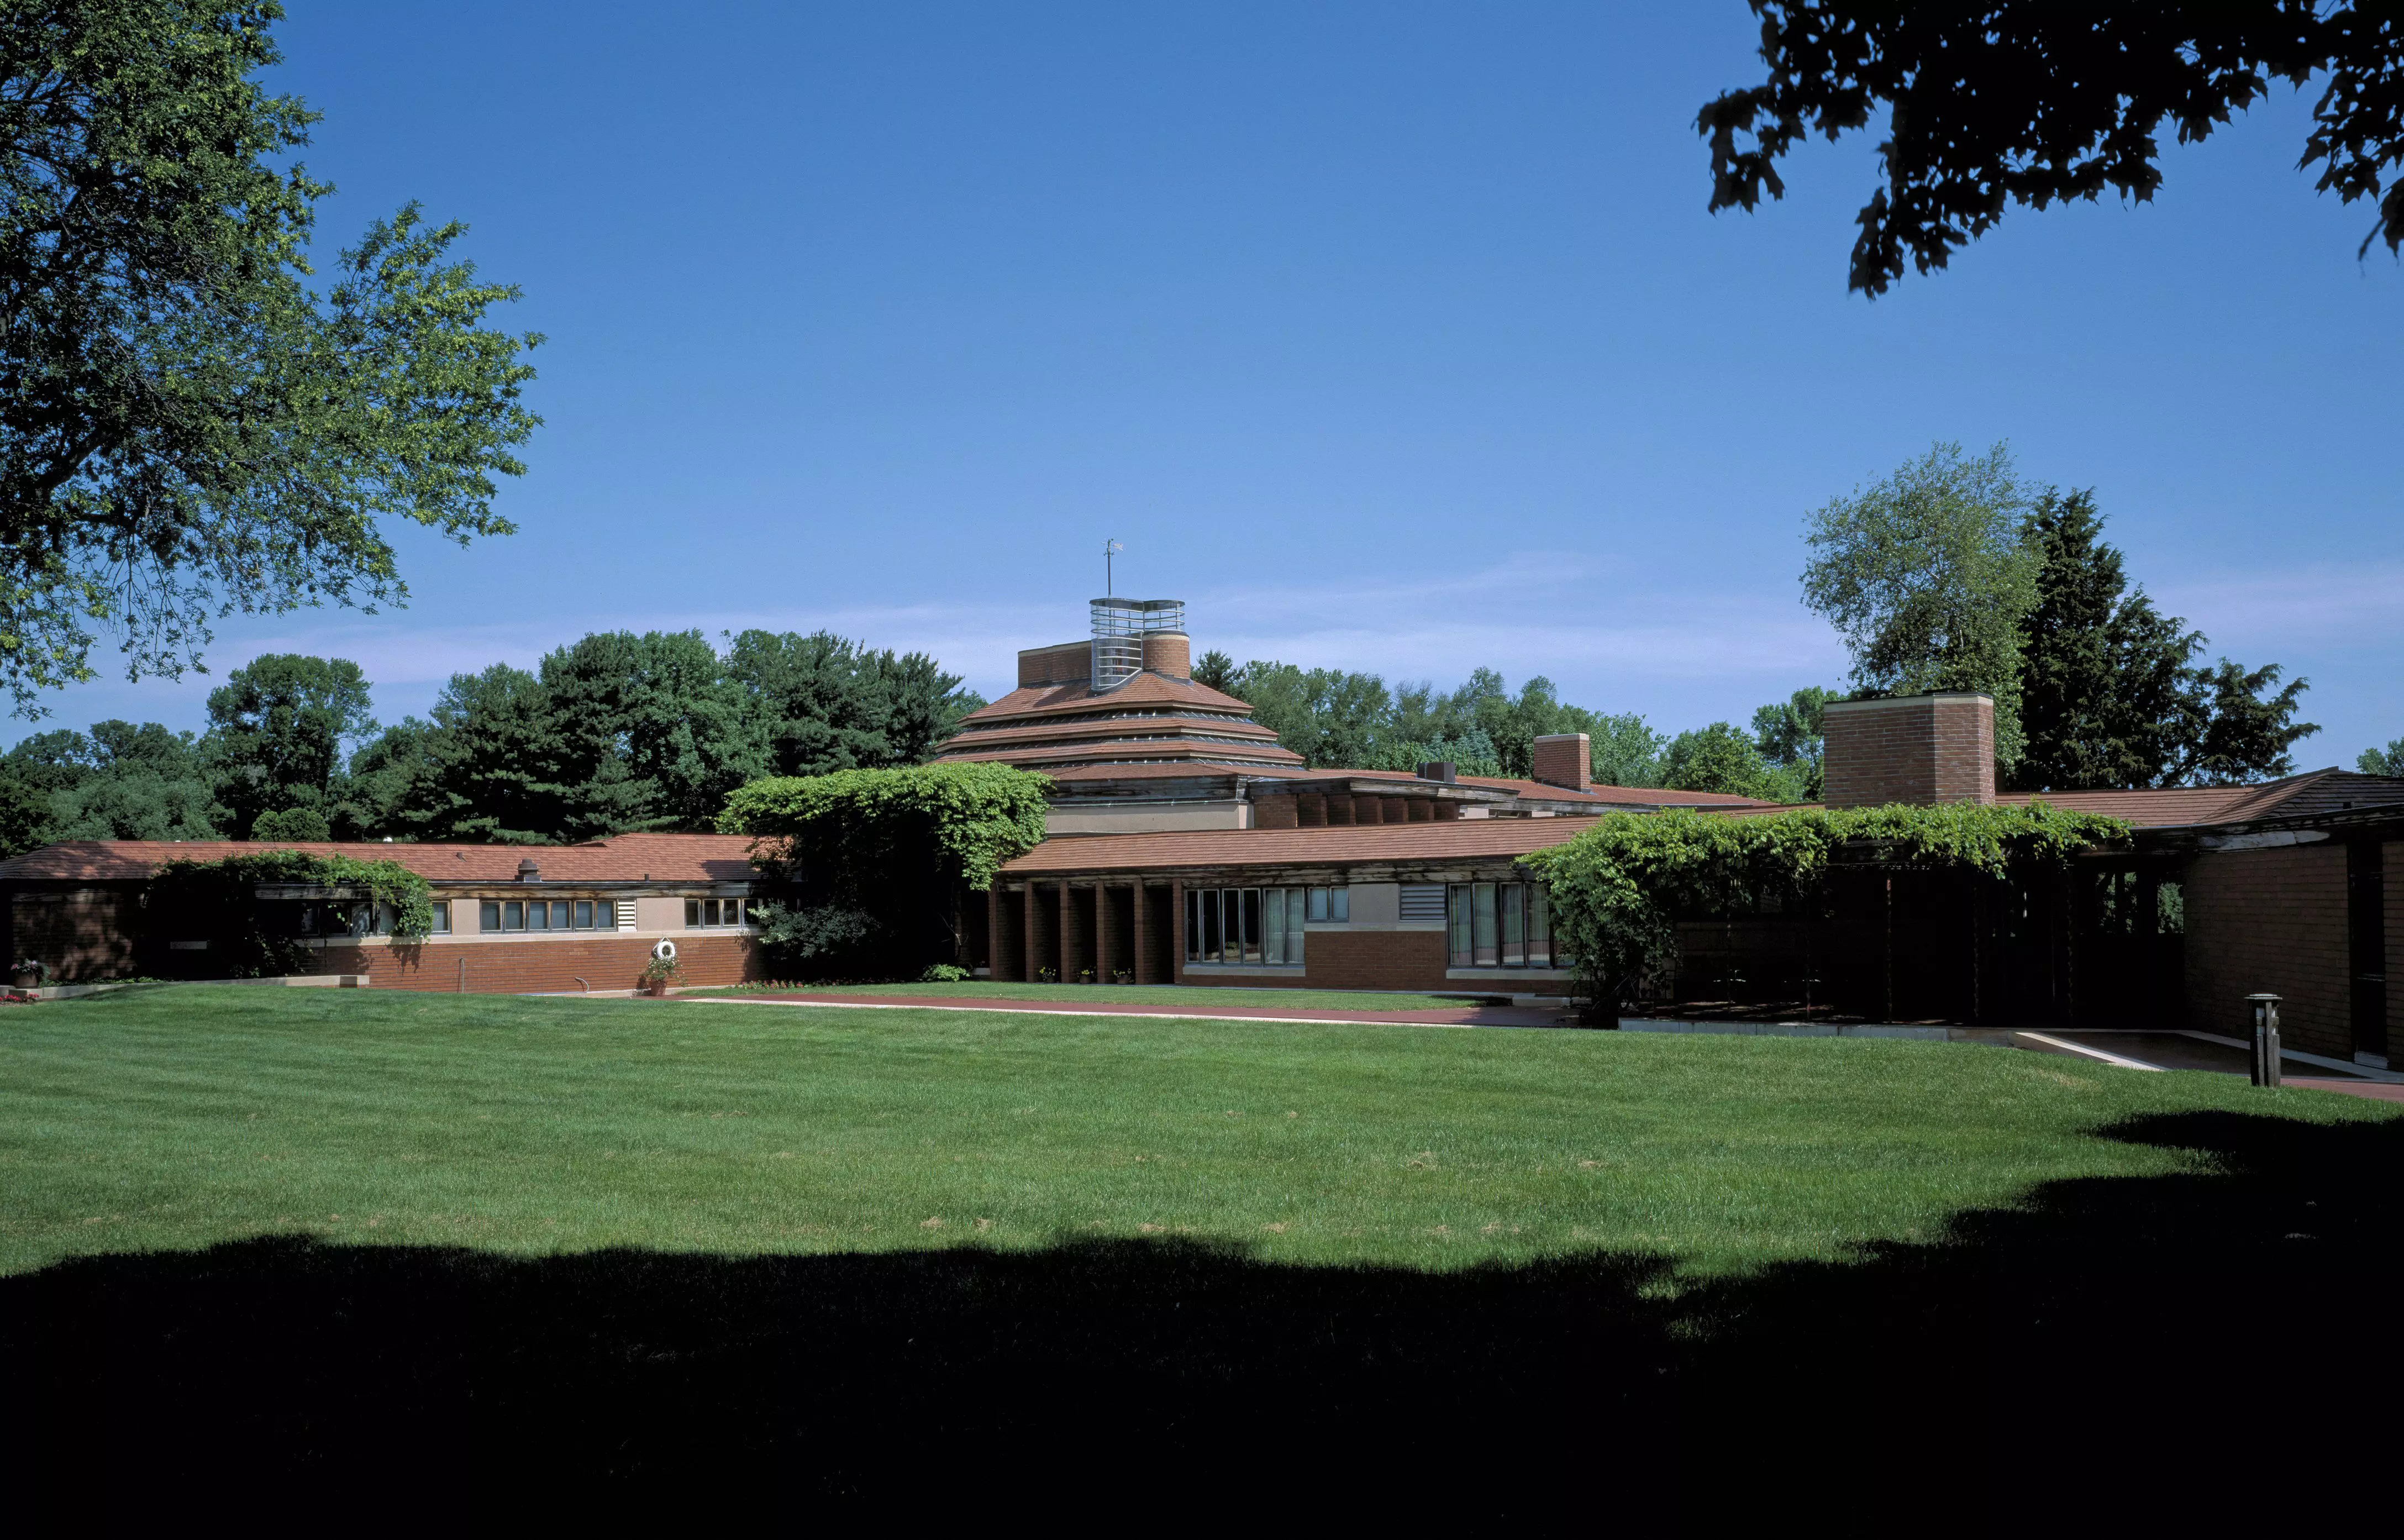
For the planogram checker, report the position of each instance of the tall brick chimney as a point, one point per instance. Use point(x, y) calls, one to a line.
point(1912, 748)
point(1564, 759)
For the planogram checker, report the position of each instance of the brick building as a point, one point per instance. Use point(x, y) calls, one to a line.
point(507, 918)
point(1188, 845)
point(1186, 849)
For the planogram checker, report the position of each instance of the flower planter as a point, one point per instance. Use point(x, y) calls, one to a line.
point(28, 979)
point(656, 987)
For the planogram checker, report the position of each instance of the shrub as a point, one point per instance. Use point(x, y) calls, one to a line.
point(944, 972)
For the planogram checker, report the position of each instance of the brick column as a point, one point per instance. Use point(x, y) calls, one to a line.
point(1142, 928)
point(1035, 947)
point(996, 903)
point(1176, 932)
point(1070, 958)
point(1102, 957)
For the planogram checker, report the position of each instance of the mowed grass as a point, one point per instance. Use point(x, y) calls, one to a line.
point(1179, 996)
point(177, 1118)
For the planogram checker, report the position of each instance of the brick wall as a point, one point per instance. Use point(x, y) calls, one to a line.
point(1914, 749)
point(604, 960)
point(1063, 662)
point(1281, 812)
point(1564, 759)
point(83, 935)
point(2270, 921)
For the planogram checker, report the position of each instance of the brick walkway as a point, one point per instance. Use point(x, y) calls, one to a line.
point(1466, 1015)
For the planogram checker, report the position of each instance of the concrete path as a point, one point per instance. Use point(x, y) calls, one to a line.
point(1465, 1016)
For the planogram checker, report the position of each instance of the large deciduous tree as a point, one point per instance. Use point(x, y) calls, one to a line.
point(1926, 578)
point(1990, 102)
point(281, 729)
point(188, 428)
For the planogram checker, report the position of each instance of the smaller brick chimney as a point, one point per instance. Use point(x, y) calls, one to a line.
point(1922, 749)
point(1564, 759)
point(1168, 653)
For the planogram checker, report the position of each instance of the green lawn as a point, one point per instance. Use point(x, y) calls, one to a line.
point(181, 1116)
point(1207, 997)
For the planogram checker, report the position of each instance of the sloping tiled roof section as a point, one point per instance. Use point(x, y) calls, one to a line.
point(1255, 757)
point(1537, 791)
point(1103, 729)
point(623, 857)
point(1467, 840)
point(1145, 689)
point(2329, 790)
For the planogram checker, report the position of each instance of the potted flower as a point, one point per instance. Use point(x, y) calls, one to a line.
point(31, 973)
point(659, 973)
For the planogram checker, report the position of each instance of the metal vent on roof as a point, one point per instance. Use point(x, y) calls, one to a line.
point(1120, 626)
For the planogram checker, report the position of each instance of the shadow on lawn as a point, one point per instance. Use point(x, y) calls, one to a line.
point(2107, 1346)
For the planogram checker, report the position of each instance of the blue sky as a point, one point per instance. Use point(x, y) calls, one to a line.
point(1388, 336)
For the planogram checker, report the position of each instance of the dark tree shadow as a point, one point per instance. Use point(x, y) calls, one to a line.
point(2123, 1352)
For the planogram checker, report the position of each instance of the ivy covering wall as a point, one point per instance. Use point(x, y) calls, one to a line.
point(217, 902)
point(1619, 890)
point(875, 860)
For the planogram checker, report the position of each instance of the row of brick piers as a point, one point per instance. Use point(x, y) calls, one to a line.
point(1108, 927)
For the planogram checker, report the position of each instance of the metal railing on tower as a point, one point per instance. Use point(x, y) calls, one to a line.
point(1120, 626)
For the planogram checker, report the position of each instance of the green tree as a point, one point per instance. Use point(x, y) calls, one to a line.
point(1925, 576)
point(1215, 670)
point(2109, 697)
point(1626, 751)
point(485, 768)
point(1719, 758)
point(292, 823)
point(650, 732)
point(24, 815)
point(1330, 717)
point(2382, 761)
point(123, 781)
point(825, 704)
point(1790, 735)
point(281, 729)
point(2234, 732)
point(187, 424)
point(2031, 101)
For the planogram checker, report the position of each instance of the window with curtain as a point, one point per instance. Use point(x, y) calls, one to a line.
point(1249, 925)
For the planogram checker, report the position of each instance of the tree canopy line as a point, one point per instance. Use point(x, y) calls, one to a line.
point(617, 731)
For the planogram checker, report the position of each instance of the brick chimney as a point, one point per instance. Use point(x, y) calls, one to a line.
point(1168, 653)
point(1563, 758)
point(1910, 748)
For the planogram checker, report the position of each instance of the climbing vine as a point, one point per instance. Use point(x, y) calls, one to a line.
point(219, 901)
point(1618, 890)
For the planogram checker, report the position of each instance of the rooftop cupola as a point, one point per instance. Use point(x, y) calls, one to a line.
point(1133, 635)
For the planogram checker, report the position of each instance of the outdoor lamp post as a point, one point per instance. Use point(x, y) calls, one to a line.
point(2266, 1038)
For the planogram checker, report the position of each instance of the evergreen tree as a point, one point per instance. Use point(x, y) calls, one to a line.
point(2109, 695)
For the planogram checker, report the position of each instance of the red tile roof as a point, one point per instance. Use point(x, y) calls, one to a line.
point(1465, 840)
point(1146, 689)
point(2314, 791)
point(621, 858)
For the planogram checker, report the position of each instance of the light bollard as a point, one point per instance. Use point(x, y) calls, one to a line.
point(2266, 1038)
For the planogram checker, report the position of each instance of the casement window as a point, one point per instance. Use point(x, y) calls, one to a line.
point(1241, 925)
point(704, 913)
point(1329, 906)
point(1497, 925)
point(442, 926)
point(539, 914)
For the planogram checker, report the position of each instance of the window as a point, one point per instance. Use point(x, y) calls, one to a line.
point(489, 916)
point(584, 914)
point(538, 916)
point(1248, 925)
point(1329, 906)
point(512, 915)
point(442, 926)
point(700, 912)
point(1497, 925)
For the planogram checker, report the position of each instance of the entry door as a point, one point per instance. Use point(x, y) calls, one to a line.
point(2366, 925)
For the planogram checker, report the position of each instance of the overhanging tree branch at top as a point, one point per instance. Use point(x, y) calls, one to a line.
point(186, 427)
point(2031, 101)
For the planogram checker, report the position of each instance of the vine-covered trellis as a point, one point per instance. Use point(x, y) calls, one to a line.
point(1619, 890)
point(216, 900)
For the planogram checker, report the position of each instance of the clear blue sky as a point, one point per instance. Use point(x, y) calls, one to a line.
point(1388, 336)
